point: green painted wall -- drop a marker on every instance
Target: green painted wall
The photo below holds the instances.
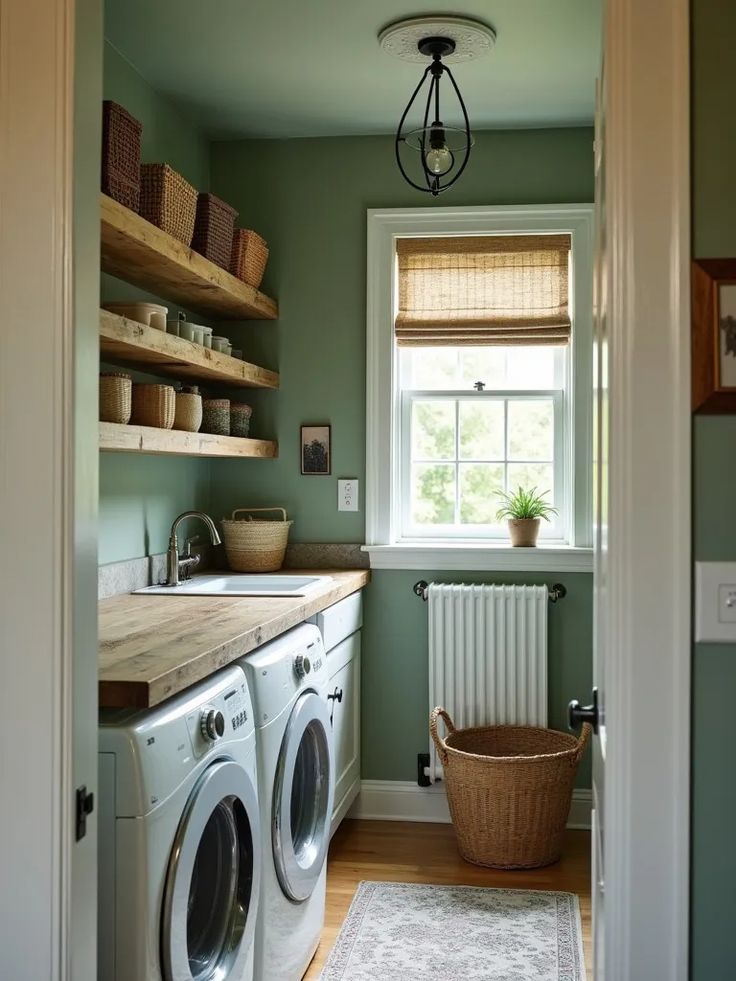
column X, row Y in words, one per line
column 309, row 199
column 714, row 486
column 140, row 496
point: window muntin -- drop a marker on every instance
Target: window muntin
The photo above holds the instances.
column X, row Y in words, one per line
column 459, row 446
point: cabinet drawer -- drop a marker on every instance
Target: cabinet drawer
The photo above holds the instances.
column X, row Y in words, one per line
column 340, row 620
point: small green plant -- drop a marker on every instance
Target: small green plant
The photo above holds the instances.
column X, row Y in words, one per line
column 525, row 504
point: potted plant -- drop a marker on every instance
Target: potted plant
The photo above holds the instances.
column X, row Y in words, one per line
column 523, row 511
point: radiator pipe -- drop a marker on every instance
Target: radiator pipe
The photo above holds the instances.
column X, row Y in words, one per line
column 556, row 592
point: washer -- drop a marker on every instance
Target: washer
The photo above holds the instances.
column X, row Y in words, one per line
column 179, row 837
column 288, row 681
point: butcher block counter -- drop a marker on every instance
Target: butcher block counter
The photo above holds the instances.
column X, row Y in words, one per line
column 154, row 646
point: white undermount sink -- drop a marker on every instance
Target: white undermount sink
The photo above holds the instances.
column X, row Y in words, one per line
column 242, row 585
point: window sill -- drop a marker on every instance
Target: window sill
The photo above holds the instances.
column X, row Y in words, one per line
column 472, row 557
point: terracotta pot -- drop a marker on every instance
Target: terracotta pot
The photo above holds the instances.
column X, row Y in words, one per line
column 524, row 532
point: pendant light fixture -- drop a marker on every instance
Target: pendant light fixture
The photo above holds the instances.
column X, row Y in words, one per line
column 438, row 151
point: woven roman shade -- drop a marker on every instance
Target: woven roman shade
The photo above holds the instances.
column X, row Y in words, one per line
column 483, row 290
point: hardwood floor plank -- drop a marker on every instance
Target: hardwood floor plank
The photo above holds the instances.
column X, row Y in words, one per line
column 394, row 851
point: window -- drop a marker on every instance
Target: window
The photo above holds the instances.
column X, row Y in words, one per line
column 479, row 381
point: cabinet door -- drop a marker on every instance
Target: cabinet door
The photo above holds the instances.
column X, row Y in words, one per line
column 344, row 665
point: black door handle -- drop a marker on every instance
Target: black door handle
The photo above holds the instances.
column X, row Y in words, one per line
column 336, row 696
column 577, row 714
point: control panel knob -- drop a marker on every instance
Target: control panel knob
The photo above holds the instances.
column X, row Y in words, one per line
column 212, row 724
column 302, row 665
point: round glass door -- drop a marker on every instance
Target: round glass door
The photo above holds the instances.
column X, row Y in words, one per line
column 302, row 798
column 211, row 893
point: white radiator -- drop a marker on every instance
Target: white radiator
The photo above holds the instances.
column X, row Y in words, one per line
column 487, row 655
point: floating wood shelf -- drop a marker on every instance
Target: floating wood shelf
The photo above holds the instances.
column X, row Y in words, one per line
column 138, row 252
column 173, row 442
column 123, row 340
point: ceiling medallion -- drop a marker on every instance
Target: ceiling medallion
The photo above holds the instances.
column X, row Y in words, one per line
column 443, row 150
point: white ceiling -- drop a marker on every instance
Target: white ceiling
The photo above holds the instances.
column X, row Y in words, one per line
column 292, row 68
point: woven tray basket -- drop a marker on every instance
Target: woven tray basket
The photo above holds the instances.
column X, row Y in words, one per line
column 213, row 229
column 255, row 545
column 154, row 405
column 121, row 155
column 168, row 201
column 115, row 397
column 249, row 256
column 509, row 789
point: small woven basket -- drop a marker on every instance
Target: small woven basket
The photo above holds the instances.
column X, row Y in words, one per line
column 168, row 201
column 216, row 417
column 240, row 414
column 213, row 229
column 188, row 412
column 154, row 405
column 509, row 789
column 115, row 397
column 255, row 544
column 249, row 256
column 121, row 155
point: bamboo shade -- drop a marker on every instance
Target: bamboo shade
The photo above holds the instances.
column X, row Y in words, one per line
column 489, row 290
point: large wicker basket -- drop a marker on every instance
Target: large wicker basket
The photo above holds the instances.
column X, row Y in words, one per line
column 249, row 256
column 214, row 228
column 255, row 544
column 509, row 789
column 121, row 154
column 168, row 201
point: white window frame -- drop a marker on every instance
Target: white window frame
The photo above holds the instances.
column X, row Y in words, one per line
column 383, row 394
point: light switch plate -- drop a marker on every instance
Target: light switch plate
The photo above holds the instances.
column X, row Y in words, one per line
column 715, row 602
column 347, row 495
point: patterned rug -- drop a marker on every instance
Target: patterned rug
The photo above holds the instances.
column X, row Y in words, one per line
column 397, row 931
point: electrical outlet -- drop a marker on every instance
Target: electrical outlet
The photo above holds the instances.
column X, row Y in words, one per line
column 347, row 495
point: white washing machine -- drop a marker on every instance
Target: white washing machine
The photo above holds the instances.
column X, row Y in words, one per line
column 288, row 681
column 179, row 837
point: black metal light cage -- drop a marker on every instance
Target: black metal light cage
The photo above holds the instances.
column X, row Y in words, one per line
column 435, row 48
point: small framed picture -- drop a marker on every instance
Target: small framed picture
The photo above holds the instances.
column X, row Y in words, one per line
column 316, row 450
column 714, row 336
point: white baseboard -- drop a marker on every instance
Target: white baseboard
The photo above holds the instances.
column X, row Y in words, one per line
column 402, row 800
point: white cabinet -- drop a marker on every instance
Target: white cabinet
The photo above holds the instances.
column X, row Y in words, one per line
column 340, row 627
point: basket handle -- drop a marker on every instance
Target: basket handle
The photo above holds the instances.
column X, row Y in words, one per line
column 438, row 740
column 282, row 511
column 583, row 741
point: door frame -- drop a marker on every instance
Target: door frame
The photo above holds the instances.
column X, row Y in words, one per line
column 648, row 661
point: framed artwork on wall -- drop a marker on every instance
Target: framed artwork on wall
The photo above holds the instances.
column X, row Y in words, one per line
column 316, row 450
column 714, row 335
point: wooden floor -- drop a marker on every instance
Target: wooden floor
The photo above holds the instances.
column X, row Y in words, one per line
column 403, row 852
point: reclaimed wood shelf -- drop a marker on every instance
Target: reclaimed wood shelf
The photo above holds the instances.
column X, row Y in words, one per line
column 174, row 442
column 127, row 341
column 140, row 253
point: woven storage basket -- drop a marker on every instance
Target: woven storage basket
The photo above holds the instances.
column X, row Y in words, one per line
column 213, row 229
column 188, row 412
column 168, row 201
column 121, row 155
column 255, row 545
column 509, row 789
column 154, row 405
column 115, row 397
column 249, row 257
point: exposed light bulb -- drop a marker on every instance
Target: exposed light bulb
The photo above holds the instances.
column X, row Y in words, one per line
column 439, row 160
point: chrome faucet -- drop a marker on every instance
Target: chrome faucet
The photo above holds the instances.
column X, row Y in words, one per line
column 176, row 564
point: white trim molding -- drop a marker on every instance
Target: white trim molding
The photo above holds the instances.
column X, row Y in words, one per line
column 475, row 557
column 382, row 409
column 402, row 800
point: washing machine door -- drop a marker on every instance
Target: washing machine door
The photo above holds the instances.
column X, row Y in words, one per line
column 302, row 797
column 213, row 879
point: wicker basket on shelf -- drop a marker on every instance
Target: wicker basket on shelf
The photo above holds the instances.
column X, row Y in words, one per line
column 249, row 256
column 154, row 405
column 509, row 789
column 168, row 201
column 213, row 229
column 255, row 544
column 188, row 410
column 121, row 155
column 115, row 397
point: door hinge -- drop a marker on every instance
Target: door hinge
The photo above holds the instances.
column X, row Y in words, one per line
column 85, row 806
column 422, row 767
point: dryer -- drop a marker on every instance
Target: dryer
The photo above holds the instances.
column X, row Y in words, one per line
column 288, row 681
column 179, row 837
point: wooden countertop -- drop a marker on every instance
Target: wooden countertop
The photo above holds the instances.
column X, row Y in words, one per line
column 152, row 647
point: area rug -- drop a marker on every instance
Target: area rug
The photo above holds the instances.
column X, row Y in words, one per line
column 398, row 931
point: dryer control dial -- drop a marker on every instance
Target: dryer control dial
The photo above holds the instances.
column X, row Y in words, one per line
column 302, row 665
column 212, row 724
